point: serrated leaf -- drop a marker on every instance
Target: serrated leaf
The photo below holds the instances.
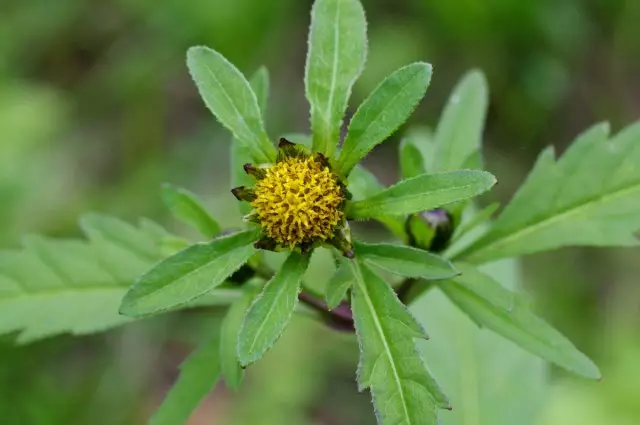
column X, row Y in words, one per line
column 188, row 274
column 232, row 370
column 403, row 390
column 337, row 287
column 239, row 155
column 198, row 376
column 186, row 206
column 387, row 108
column 590, row 196
column 336, row 56
column 423, row 192
column 405, row 260
column 489, row 379
column 74, row 286
column 489, row 304
column 411, row 159
column 459, row 132
column 271, row 310
column 230, row 98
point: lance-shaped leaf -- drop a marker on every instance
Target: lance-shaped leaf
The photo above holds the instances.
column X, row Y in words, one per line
column 232, row 370
column 405, row 260
column 186, row 206
column 337, row 287
column 54, row 286
column 411, row 159
column 198, row 376
column 386, row 109
column 590, row 196
column 189, row 274
column 271, row 310
column 230, row 98
column 239, row 155
column 459, row 133
column 403, row 390
column 489, row 304
column 337, row 51
column 423, row 192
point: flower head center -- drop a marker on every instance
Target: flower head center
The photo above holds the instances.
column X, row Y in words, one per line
column 298, row 201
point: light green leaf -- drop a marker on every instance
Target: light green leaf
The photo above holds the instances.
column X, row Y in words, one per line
column 411, row 159
column 459, row 132
column 239, row 155
column 337, row 287
column 188, row 274
column 186, row 206
column 479, row 218
column 489, row 379
column 590, row 196
column 230, row 98
column 74, row 286
column 405, row 260
column 232, row 370
column 423, row 192
column 337, row 52
column 271, row 310
column 489, row 304
column 403, row 390
column 198, row 376
column 386, row 109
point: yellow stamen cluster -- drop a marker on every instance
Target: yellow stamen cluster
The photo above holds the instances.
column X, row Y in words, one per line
column 298, row 201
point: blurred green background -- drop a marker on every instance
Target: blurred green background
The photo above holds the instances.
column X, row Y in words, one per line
column 97, row 109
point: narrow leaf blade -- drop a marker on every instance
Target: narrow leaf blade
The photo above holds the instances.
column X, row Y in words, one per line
column 423, row 192
column 338, row 285
column 198, row 376
column 489, row 304
column 230, row 98
column 186, row 206
column 411, row 159
column 232, row 370
column 403, row 390
column 271, row 310
column 459, row 132
column 337, row 51
column 406, row 261
column 386, row 109
column 188, row 274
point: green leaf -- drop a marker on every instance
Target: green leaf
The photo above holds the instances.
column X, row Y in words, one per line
column 591, row 196
column 489, row 304
column 405, row 260
column 411, row 159
column 239, row 155
column 337, row 287
column 232, row 370
column 489, row 379
column 186, row 206
column 198, row 376
column 479, row 218
column 403, row 390
column 423, row 192
column 188, row 274
column 459, row 132
column 74, row 286
column 230, row 98
column 337, row 52
column 271, row 310
column 386, row 109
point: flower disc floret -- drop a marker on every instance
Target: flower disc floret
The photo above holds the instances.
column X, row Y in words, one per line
column 298, row 201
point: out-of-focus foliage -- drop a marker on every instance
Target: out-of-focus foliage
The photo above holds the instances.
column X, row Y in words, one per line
column 96, row 109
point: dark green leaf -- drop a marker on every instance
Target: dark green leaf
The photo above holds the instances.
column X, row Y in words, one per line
column 198, row 376
column 423, row 192
column 271, row 310
column 230, row 98
column 404, row 392
column 188, row 208
column 337, row 51
column 188, row 274
column 405, row 261
column 489, row 304
column 386, row 109
column 411, row 159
